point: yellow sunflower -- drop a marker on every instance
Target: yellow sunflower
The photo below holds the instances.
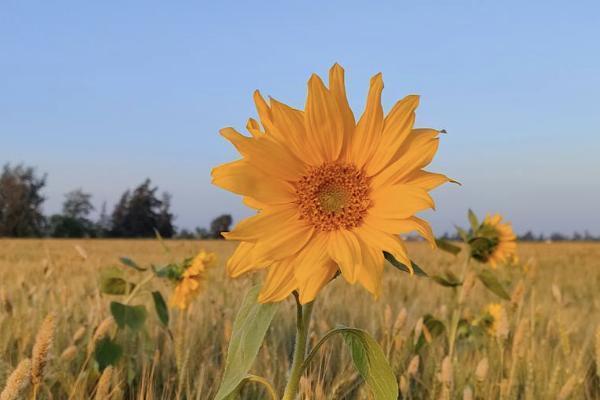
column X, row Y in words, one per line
column 331, row 194
column 502, row 245
column 498, row 326
column 190, row 282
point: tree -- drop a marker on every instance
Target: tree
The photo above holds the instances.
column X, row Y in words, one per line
column 103, row 225
column 139, row 213
column 220, row 224
column 74, row 220
column 21, row 202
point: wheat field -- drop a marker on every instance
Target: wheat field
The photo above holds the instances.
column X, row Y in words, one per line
column 545, row 345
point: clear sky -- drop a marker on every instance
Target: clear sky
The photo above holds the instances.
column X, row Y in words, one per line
column 101, row 95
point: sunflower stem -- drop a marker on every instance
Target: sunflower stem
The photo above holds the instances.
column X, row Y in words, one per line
column 457, row 311
column 303, row 316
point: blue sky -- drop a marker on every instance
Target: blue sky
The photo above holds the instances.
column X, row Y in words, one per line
column 101, row 95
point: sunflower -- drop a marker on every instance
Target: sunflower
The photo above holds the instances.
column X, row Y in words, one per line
column 331, row 194
column 500, row 244
column 189, row 283
column 498, row 320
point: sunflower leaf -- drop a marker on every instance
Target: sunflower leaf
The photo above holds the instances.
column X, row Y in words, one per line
column 107, row 352
column 490, row 281
column 162, row 311
column 447, row 246
column 402, row 267
column 126, row 315
column 473, row 221
column 130, row 263
column 249, row 329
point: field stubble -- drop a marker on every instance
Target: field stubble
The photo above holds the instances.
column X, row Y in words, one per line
column 544, row 345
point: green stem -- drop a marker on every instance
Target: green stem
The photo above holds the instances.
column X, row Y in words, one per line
column 303, row 314
column 457, row 311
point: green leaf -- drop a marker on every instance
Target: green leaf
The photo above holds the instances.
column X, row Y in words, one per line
column 447, row 246
column 370, row 361
column 130, row 263
column 392, row 260
column 464, row 235
column 491, row 282
column 113, row 283
column 448, row 279
column 434, row 326
column 249, row 329
column 126, row 315
column 107, row 352
column 473, row 221
column 161, row 308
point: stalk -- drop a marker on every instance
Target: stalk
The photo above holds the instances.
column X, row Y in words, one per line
column 303, row 315
column 457, row 310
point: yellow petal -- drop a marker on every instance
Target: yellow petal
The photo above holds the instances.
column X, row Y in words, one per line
column 321, row 275
column 426, row 180
column 396, row 128
column 279, row 282
column 368, row 131
column 400, row 201
column 400, row 226
column 386, row 242
column 242, row 178
column 266, row 154
column 416, row 152
column 242, row 260
column 291, row 121
column 344, row 248
column 370, row 271
column 323, row 121
column 337, row 88
column 254, row 128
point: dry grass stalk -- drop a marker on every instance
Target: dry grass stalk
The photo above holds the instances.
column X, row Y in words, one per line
column 467, row 393
column 568, row 388
column 69, row 353
column 481, row 371
column 598, row 351
column 41, row 348
column 103, row 389
column 413, row 367
column 17, row 381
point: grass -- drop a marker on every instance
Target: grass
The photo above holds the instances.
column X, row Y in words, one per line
column 548, row 346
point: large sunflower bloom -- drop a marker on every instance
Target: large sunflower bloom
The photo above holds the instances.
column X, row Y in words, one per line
column 190, row 282
column 331, row 194
column 504, row 240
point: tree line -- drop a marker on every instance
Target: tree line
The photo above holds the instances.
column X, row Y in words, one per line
column 139, row 213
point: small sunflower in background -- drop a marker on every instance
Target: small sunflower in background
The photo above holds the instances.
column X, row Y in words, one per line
column 496, row 321
column 493, row 241
column 189, row 277
column 331, row 193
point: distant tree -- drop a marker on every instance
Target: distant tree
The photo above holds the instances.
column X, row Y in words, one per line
column 527, row 237
column 21, row 202
column 577, row 237
column 558, row 237
column 165, row 217
column 77, row 204
column 139, row 213
column 103, row 225
column 119, row 220
column 185, row 234
column 74, row 221
column 220, row 224
column 202, row 233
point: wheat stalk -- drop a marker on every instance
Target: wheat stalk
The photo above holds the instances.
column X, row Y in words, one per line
column 39, row 354
column 17, row 381
column 103, row 389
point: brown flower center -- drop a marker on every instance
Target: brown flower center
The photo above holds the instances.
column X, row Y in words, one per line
column 333, row 196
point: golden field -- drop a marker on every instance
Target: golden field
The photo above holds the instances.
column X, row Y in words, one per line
column 548, row 347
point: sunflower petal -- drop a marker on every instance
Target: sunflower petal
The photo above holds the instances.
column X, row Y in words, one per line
column 337, row 87
column 323, row 121
column 396, row 128
column 400, row 201
column 368, row 130
column 321, row 275
column 266, row 154
column 279, row 282
column 242, row 260
column 344, row 249
column 242, row 178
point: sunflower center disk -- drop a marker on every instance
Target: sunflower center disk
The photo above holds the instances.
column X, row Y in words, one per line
column 333, row 196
